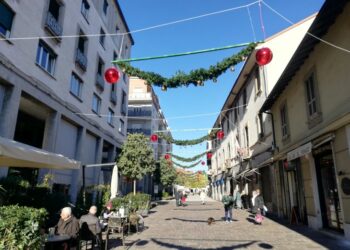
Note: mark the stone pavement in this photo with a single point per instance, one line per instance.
(171, 227)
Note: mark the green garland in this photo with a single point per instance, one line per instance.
(195, 77)
(190, 159)
(189, 166)
(170, 139)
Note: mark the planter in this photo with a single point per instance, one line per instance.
(143, 212)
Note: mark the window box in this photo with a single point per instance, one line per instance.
(53, 26)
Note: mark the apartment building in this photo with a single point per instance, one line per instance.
(242, 159)
(146, 117)
(310, 104)
(52, 91)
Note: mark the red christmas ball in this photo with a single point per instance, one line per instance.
(112, 75)
(203, 163)
(263, 56)
(220, 135)
(154, 138)
(209, 155)
(166, 156)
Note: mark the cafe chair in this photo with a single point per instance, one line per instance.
(87, 239)
(115, 228)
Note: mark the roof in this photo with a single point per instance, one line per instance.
(124, 21)
(325, 18)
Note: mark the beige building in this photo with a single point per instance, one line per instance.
(146, 117)
(311, 109)
(52, 91)
(242, 159)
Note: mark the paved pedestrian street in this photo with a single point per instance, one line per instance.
(171, 227)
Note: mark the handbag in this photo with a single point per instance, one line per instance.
(259, 218)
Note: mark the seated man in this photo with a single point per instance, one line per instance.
(68, 225)
(90, 226)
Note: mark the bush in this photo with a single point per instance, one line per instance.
(20, 227)
(165, 195)
(119, 202)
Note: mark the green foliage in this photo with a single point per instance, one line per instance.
(188, 159)
(195, 77)
(103, 195)
(136, 159)
(167, 173)
(119, 202)
(186, 166)
(138, 201)
(46, 181)
(170, 139)
(83, 203)
(165, 195)
(20, 227)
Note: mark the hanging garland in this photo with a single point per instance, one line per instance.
(195, 77)
(169, 139)
(190, 159)
(189, 166)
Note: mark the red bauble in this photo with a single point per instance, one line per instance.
(220, 135)
(154, 138)
(203, 163)
(166, 156)
(263, 56)
(112, 75)
(209, 155)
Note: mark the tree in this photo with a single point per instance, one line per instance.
(167, 173)
(136, 159)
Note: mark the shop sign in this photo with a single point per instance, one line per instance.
(299, 152)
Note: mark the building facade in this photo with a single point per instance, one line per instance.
(242, 159)
(146, 117)
(52, 90)
(311, 108)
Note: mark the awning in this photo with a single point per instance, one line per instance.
(16, 154)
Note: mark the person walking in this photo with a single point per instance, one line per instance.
(177, 197)
(228, 201)
(238, 199)
(258, 206)
(203, 196)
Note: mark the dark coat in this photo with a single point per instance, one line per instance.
(92, 223)
(228, 201)
(69, 227)
(258, 204)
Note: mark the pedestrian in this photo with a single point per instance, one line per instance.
(177, 198)
(228, 201)
(202, 196)
(183, 198)
(258, 206)
(238, 198)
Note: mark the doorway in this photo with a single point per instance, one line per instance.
(327, 185)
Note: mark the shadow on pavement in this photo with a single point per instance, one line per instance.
(174, 246)
(196, 209)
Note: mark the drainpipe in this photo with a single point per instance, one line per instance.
(273, 131)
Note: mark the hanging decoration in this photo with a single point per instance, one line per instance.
(203, 163)
(166, 156)
(209, 155)
(220, 135)
(188, 166)
(195, 77)
(111, 75)
(188, 159)
(263, 56)
(170, 139)
(154, 138)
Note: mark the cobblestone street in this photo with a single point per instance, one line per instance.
(171, 227)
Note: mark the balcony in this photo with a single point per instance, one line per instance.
(147, 113)
(113, 97)
(140, 97)
(139, 131)
(81, 59)
(100, 82)
(53, 26)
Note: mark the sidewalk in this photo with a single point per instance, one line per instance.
(171, 227)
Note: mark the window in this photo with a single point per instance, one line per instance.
(80, 57)
(244, 96)
(76, 85)
(311, 96)
(85, 7)
(123, 106)
(53, 18)
(284, 123)
(121, 126)
(110, 117)
(100, 82)
(236, 111)
(246, 131)
(45, 58)
(54, 9)
(105, 7)
(102, 38)
(6, 18)
(115, 55)
(257, 81)
(259, 125)
(96, 104)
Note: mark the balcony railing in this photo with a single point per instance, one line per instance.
(81, 59)
(53, 26)
(139, 113)
(139, 130)
(140, 96)
(100, 82)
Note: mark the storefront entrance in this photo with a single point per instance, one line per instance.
(329, 198)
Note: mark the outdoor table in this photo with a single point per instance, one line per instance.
(52, 241)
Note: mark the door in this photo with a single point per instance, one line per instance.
(329, 197)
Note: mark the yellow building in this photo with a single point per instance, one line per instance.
(311, 108)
